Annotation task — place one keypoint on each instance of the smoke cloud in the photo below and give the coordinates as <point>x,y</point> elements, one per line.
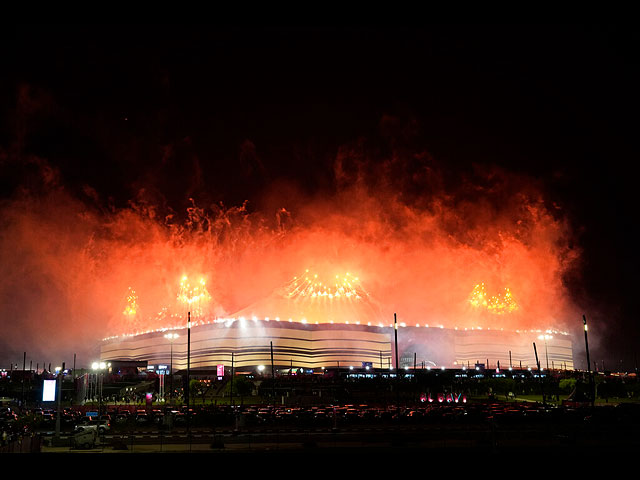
<point>419,237</point>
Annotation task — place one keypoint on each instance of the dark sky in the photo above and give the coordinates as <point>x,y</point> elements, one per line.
<point>219,112</point>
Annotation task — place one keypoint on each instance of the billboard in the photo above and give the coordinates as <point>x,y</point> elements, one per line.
<point>49,391</point>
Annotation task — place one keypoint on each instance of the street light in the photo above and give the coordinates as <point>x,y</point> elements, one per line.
<point>187,395</point>
<point>99,367</point>
<point>592,389</point>
<point>171,337</point>
<point>546,337</point>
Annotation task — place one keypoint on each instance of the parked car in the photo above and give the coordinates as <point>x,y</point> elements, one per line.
<point>141,417</point>
<point>101,426</point>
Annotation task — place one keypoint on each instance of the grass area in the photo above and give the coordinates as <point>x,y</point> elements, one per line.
<point>538,398</point>
<point>555,401</point>
<point>226,400</point>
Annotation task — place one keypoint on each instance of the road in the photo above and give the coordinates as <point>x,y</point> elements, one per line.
<point>485,437</point>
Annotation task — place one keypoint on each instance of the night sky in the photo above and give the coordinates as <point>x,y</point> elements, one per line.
<point>224,114</point>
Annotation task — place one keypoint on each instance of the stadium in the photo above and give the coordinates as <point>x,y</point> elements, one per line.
<point>317,325</point>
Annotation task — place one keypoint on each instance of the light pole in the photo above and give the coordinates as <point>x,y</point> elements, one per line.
<point>59,378</point>
<point>171,337</point>
<point>395,330</point>
<point>99,368</point>
<point>544,398</point>
<point>546,337</point>
<point>592,390</point>
<point>187,393</point>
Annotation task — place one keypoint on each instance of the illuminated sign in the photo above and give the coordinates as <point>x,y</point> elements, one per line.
<point>160,369</point>
<point>444,398</point>
<point>220,370</point>
<point>49,391</point>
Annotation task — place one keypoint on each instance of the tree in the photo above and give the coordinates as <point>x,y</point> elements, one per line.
<point>567,385</point>
<point>196,387</point>
<point>243,386</point>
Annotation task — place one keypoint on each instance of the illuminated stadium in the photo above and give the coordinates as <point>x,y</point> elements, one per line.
<point>317,325</point>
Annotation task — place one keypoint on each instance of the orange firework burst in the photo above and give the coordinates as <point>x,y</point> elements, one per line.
<point>132,304</point>
<point>193,296</point>
<point>309,285</point>
<point>309,298</point>
<point>496,304</point>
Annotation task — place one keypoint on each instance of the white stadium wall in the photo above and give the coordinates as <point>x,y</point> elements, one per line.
<point>294,343</point>
<point>328,345</point>
<point>466,347</point>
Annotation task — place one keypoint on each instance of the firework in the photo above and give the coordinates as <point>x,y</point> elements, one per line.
<point>195,297</point>
<point>310,286</point>
<point>132,304</point>
<point>496,304</point>
<point>311,299</point>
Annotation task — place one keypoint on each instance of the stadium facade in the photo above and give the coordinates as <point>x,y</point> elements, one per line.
<point>251,343</point>
<point>333,323</point>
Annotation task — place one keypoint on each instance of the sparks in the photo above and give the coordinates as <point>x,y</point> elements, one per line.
<point>195,297</point>
<point>132,304</point>
<point>309,286</point>
<point>496,304</point>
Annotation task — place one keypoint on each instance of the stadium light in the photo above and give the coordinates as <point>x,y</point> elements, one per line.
<point>171,337</point>
<point>99,368</point>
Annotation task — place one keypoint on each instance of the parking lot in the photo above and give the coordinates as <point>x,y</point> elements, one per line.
<point>259,428</point>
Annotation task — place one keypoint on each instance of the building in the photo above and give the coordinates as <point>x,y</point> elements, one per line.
<point>319,324</point>
<point>246,344</point>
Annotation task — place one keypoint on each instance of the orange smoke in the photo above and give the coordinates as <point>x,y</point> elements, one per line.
<point>69,271</point>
